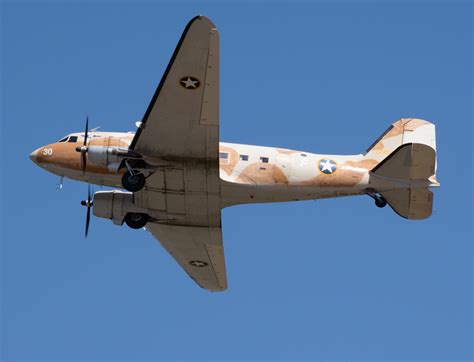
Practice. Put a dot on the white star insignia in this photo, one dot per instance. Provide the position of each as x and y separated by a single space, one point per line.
327 166
198 263
188 83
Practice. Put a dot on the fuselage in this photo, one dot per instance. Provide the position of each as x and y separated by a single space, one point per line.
248 174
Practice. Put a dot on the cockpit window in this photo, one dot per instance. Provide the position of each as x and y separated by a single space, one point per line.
63 139
73 139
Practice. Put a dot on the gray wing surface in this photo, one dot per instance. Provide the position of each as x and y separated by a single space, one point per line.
181 125
182 119
198 250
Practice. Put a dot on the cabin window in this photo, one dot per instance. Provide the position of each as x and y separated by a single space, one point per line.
63 139
264 159
223 158
244 157
73 139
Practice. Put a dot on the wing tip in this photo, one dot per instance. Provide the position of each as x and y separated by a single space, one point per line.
210 287
200 17
217 290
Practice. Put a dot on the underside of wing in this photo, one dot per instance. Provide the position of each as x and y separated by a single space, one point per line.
198 250
182 120
181 126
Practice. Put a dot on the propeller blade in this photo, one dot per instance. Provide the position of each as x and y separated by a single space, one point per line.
88 220
88 204
83 161
84 148
87 130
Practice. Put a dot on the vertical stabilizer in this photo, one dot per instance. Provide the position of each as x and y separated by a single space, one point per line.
405 167
406 130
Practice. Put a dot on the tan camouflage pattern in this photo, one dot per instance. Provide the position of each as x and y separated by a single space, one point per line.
65 160
403 131
288 175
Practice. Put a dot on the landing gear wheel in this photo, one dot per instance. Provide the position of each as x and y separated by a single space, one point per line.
133 181
380 202
136 220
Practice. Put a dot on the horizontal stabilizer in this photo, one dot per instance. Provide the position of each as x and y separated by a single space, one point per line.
411 161
410 203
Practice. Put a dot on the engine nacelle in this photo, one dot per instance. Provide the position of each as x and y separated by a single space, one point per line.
107 156
115 205
109 152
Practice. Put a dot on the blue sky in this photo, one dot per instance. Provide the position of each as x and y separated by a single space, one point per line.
329 280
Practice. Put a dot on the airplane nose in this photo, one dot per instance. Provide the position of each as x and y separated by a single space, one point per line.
33 156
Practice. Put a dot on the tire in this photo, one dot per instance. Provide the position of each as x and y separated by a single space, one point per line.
380 202
136 220
133 182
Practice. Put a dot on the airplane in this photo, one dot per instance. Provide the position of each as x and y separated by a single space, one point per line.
177 176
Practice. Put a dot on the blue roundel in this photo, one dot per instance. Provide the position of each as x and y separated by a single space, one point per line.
327 166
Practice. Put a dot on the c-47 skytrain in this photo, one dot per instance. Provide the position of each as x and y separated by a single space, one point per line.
178 176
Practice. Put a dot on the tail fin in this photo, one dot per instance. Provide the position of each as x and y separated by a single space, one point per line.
406 130
411 161
405 158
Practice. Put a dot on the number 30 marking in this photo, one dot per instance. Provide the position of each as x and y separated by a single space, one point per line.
47 151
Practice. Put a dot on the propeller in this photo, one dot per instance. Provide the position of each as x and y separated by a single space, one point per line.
83 149
88 203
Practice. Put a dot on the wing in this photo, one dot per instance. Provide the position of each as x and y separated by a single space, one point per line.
181 124
182 120
198 250
187 196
